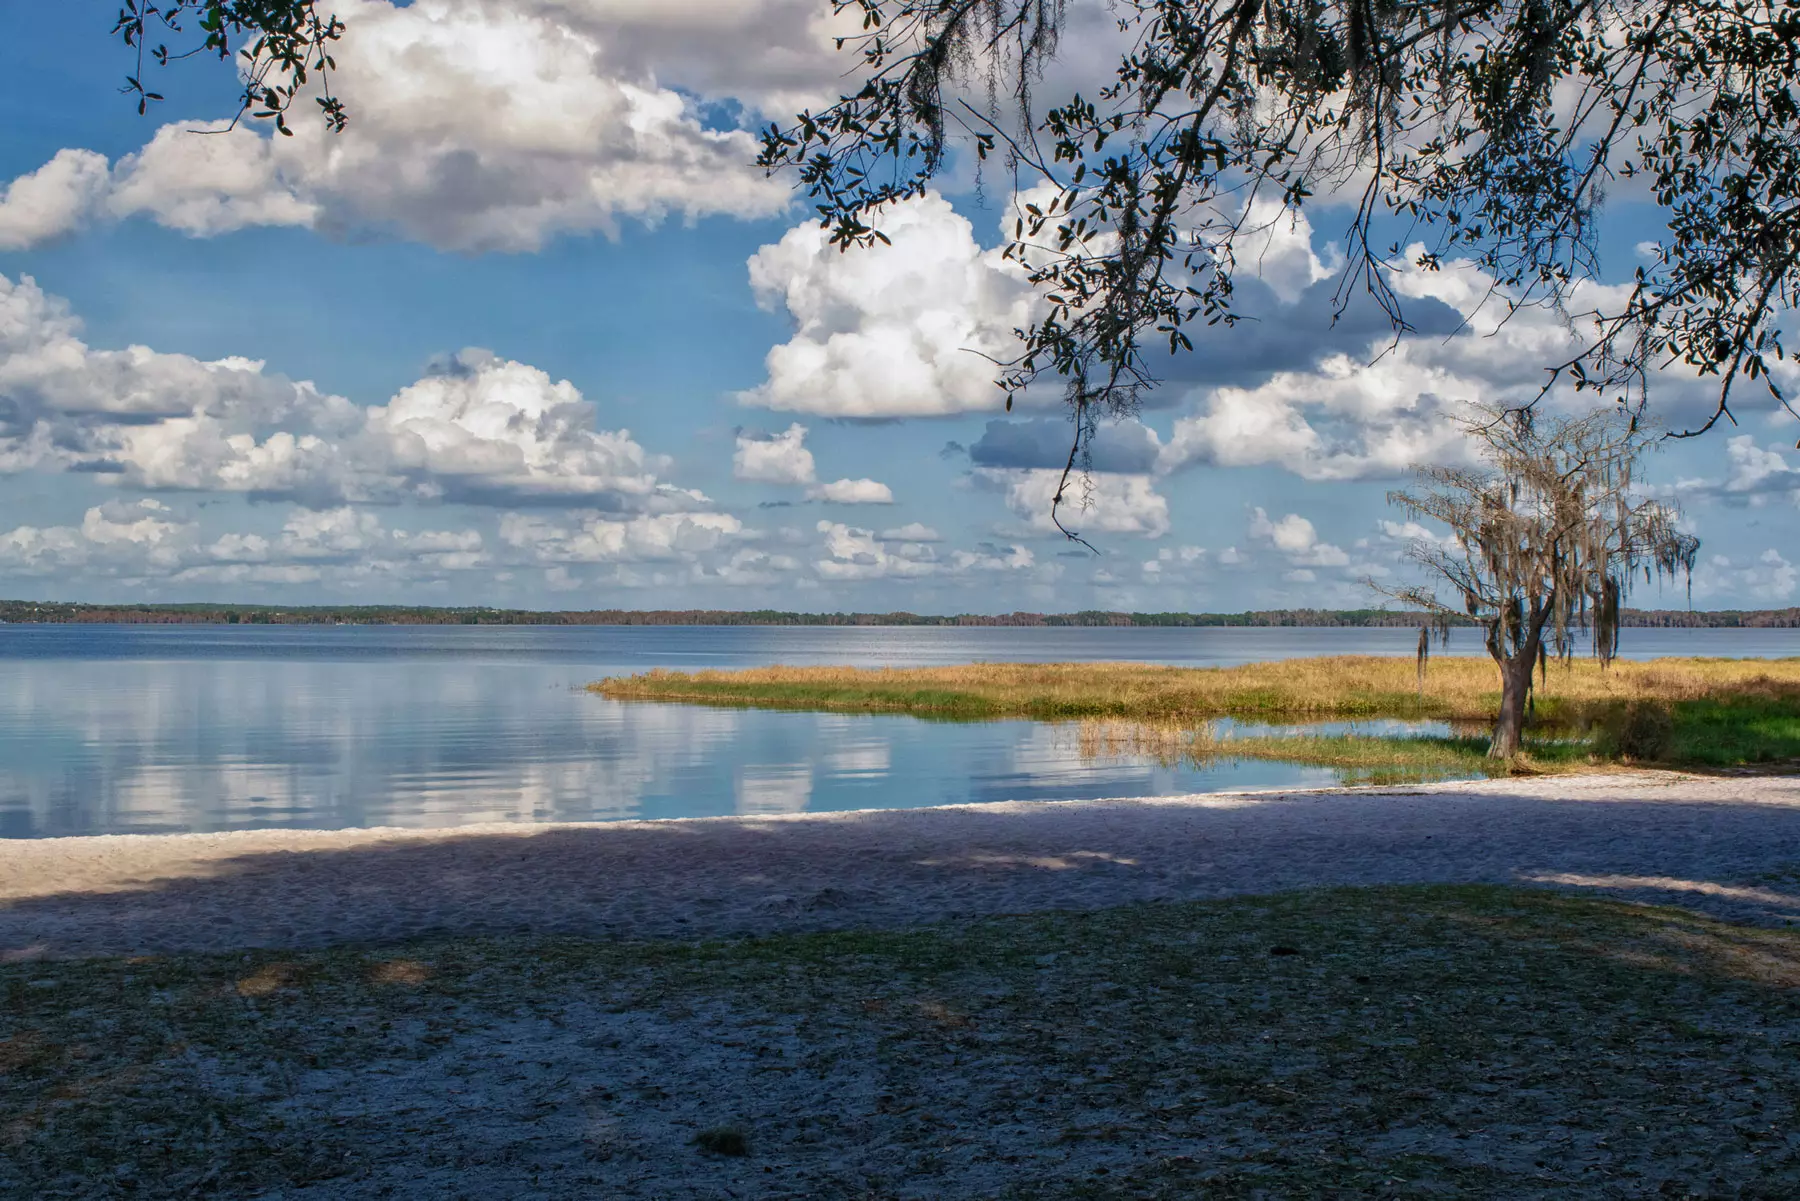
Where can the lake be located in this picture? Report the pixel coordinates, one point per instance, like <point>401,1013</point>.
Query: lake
<point>150,729</point>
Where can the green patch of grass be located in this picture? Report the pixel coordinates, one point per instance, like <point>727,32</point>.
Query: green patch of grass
<point>1728,733</point>
<point>1367,760</point>
<point>1423,1041</point>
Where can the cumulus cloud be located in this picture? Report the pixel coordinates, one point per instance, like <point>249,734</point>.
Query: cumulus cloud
<point>1347,419</point>
<point>53,200</point>
<point>1276,247</point>
<point>854,554</point>
<point>491,430</point>
<point>1380,409</point>
<point>554,126</point>
<point>775,459</point>
<point>1297,540</point>
<point>1754,474</point>
<point>147,541</point>
<point>783,459</point>
<point>853,492</point>
<point>593,537</point>
<point>477,429</point>
<point>484,431</point>
<point>1102,502</point>
<point>897,330</point>
<point>850,554</point>
<point>1174,563</point>
<point>990,557</point>
<point>1769,578</point>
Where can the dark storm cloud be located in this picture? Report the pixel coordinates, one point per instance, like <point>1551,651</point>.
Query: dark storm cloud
<point>1273,337</point>
<point>1126,447</point>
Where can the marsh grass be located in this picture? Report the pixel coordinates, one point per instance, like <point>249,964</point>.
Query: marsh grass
<point>1420,1041</point>
<point>1721,712</point>
<point>1359,758</point>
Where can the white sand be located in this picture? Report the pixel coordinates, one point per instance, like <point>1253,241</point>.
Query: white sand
<point>1730,845</point>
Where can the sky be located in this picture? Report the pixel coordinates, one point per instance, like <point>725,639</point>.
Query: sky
<point>534,331</point>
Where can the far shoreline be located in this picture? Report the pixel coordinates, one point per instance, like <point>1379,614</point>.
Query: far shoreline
<point>25,612</point>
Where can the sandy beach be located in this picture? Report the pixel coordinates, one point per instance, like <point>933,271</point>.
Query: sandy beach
<point>1727,845</point>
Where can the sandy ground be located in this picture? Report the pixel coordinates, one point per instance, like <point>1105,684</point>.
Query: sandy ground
<point>1729,845</point>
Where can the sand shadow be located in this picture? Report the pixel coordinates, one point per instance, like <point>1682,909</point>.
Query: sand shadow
<point>730,877</point>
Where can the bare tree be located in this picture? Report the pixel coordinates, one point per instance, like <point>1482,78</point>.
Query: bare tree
<point>1544,542</point>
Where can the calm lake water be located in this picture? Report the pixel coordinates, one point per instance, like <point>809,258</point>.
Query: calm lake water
<point>143,729</point>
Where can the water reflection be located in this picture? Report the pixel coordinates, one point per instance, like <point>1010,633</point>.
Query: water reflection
<point>149,747</point>
<point>763,790</point>
<point>377,727</point>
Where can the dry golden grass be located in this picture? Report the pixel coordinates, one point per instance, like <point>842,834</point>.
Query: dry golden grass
<point>1338,686</point>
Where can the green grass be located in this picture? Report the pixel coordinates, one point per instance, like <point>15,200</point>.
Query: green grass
<point>1730,733</point>
<point>1362,759</point>
<point>1704,713</point>
<point>1395,1042</point>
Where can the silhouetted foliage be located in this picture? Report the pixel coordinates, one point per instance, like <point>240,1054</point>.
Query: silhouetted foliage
<point>1490,127</point>
<point>279,46</point>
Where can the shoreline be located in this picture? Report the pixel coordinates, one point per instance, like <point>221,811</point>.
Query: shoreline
<point>1729,845</point>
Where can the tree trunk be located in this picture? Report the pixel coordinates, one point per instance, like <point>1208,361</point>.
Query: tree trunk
<point>1515,690</point>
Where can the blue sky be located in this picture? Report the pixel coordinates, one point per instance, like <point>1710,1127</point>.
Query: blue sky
<point>533,331</point>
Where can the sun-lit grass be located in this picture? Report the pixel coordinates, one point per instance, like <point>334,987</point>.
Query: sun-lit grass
<point>1394,1042</point>
<point>1338,686</point>
<point>1359,758</point>
<point>1721,711</point>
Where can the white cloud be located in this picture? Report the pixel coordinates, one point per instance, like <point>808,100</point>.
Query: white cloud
<point>853,492</point>
<point>479,429</point>
<point>210,178</point>
<point>777,459</point>
<point>750,567</point>
<point>1755,474</point>
<point>53,200</point>
<point>1770,578</point>
<point>899,330</point>
<point>1103,502</point>
<point>1387,409</point>
<point>993,558</point>
<point>1295,537</point>
<point>857,554</point>
<point>606,538</point>
<point>489,428</point>
<point>912,531</point>
<point>853,554</point>
<point>483,430</point>
<point>146,541</point>
<point>475,125</point>
<point>1276,247</point>
<point>1347,419</point>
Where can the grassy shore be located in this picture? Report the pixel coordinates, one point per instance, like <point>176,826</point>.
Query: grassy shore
<point>1424,1041</point>
<point>1702,712</point>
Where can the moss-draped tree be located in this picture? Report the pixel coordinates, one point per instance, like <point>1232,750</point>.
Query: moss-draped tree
<point>1545,539</point>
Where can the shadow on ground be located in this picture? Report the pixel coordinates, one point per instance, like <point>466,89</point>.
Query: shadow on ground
<point>1725,846</point>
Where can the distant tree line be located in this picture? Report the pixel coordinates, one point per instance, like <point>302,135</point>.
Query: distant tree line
<point>52,612</point>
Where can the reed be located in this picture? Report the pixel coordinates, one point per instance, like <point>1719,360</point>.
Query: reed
<point>1712,712</point>
<point>1358,758</point>
<point>1455,688</point>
